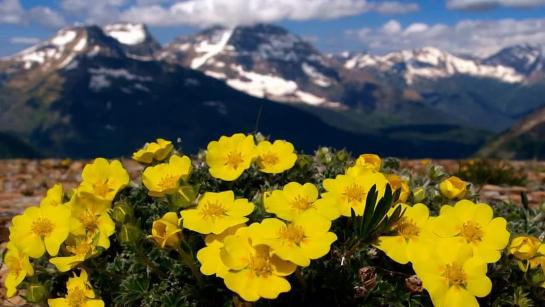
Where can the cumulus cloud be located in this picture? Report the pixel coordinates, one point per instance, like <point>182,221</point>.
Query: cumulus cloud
<point>476,37</point>
<point>489,4</point>
<point>236,12</point>
<point>11,12</point>
<point>24,40</point>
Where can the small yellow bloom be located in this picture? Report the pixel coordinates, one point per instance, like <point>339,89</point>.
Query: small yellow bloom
<point>473,224</point>
<point>210,255</point>
<point>411,234</point>
<point>230,156</point>
<point>524,247</point>
<point>18,267</point>
<point>158,151</point>
<point>103,179</point>
<point>54,196</point>
<point>79,293</point>
<point>350,192</point>
<point>295,199</point>
<point>451,275</point>
<point>89,218</point>
<point>397,183</point>
<point>275,158</point>
<point>216,212</point>
<point>365,163</point>
<point>164,178</point>
<point>80,249</point>
<point>39,229</point>
<point>254,272</point>
<point>453,188</point>
<point>165,231</point>
<point>300,241</point>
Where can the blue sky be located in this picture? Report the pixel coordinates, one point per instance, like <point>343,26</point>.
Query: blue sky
<point>477,27</point>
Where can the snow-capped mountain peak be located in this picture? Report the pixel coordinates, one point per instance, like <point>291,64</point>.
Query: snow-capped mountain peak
<point>127,33</point>
<point>431,63</point>
<point>261,60</point>
<point>525,59</point>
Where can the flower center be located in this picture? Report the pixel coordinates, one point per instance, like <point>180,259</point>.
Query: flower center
<point>42,227</point>
<point>472,232</point>
<point>168,182</point>
<point>407,228</point>
<point>213,210</point>
<point>101,188</point>
<point>294,234</point>
<point>354,193</point>
<point>89,221</point>
<point>455,275</point>
<point>301,203</point>
<point>261,266</point>
<point>234,159</point>
<point>76,297</point>
<point>269,159</point>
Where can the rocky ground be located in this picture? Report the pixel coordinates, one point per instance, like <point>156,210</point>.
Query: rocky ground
<point>24,182</point>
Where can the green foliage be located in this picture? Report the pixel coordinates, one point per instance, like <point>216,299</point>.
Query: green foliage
<point>488,171</point>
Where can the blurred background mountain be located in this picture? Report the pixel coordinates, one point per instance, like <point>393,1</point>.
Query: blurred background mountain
<point>106,90</point>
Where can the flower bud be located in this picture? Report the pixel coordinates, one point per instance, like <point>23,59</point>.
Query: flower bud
<point>166,231</point>
<point>453,187</point>
<point>122,212</point>
<point>36,293</point>
<point>129,234</point>
<point>370,161</point>
<point>524,247</point>
<point>419,195</point>
<point>368,277</point>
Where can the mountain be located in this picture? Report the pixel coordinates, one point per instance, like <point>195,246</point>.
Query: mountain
<point>86,92</point>
<point>430,63</point>
<point>525,140</point>
<point>264,61</point>
<point>527,60</point>
<point>11,147</point>
<point>134,38</point>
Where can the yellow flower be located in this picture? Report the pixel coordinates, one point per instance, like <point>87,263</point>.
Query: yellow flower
<point>89,218</point>
<point>397,183</point>
<point>210,255</point>
<point>350,192</point>
<point>473,224</point>
<point>103,179</point>
<point>524,247</point>
<point>164,178</point>
<point>453,188</point>
<point>80,249</point>
<point>216,212</point>
<point>300,241</point>
<point>54,196</point>
<point>79,293</point>
<point>254,272</point>
<point>18,267</point>
<point>275,158</point>
<point>411,234</point>
<point>158,151</point>
<point>230,156</point>
<point>451,275</point>
<point>365,163</point>
<point>295,199</point>
<point>39,229</point>
<point>165,231</point>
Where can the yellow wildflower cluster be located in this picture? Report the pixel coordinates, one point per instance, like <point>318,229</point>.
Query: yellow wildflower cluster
<point>68,230</point>
<point>230,156</point>
<point>449,252</point>
<point>255,243</point>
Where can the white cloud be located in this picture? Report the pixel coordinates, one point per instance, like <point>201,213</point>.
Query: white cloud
<point>23,40</point>
<point>12,12</point>
<point>476,37</point>
<point>235,12</point>
<point>94,11</point>
<point>488,4</point>
<point>391,27</point>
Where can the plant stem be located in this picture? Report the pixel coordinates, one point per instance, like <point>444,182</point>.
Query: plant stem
<point>188,260</point>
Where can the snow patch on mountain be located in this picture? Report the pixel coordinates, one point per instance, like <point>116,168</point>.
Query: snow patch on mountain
<point>64,37</point>
<point>210,48</point>
<point>316,77</point>
<point>127,33</point>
